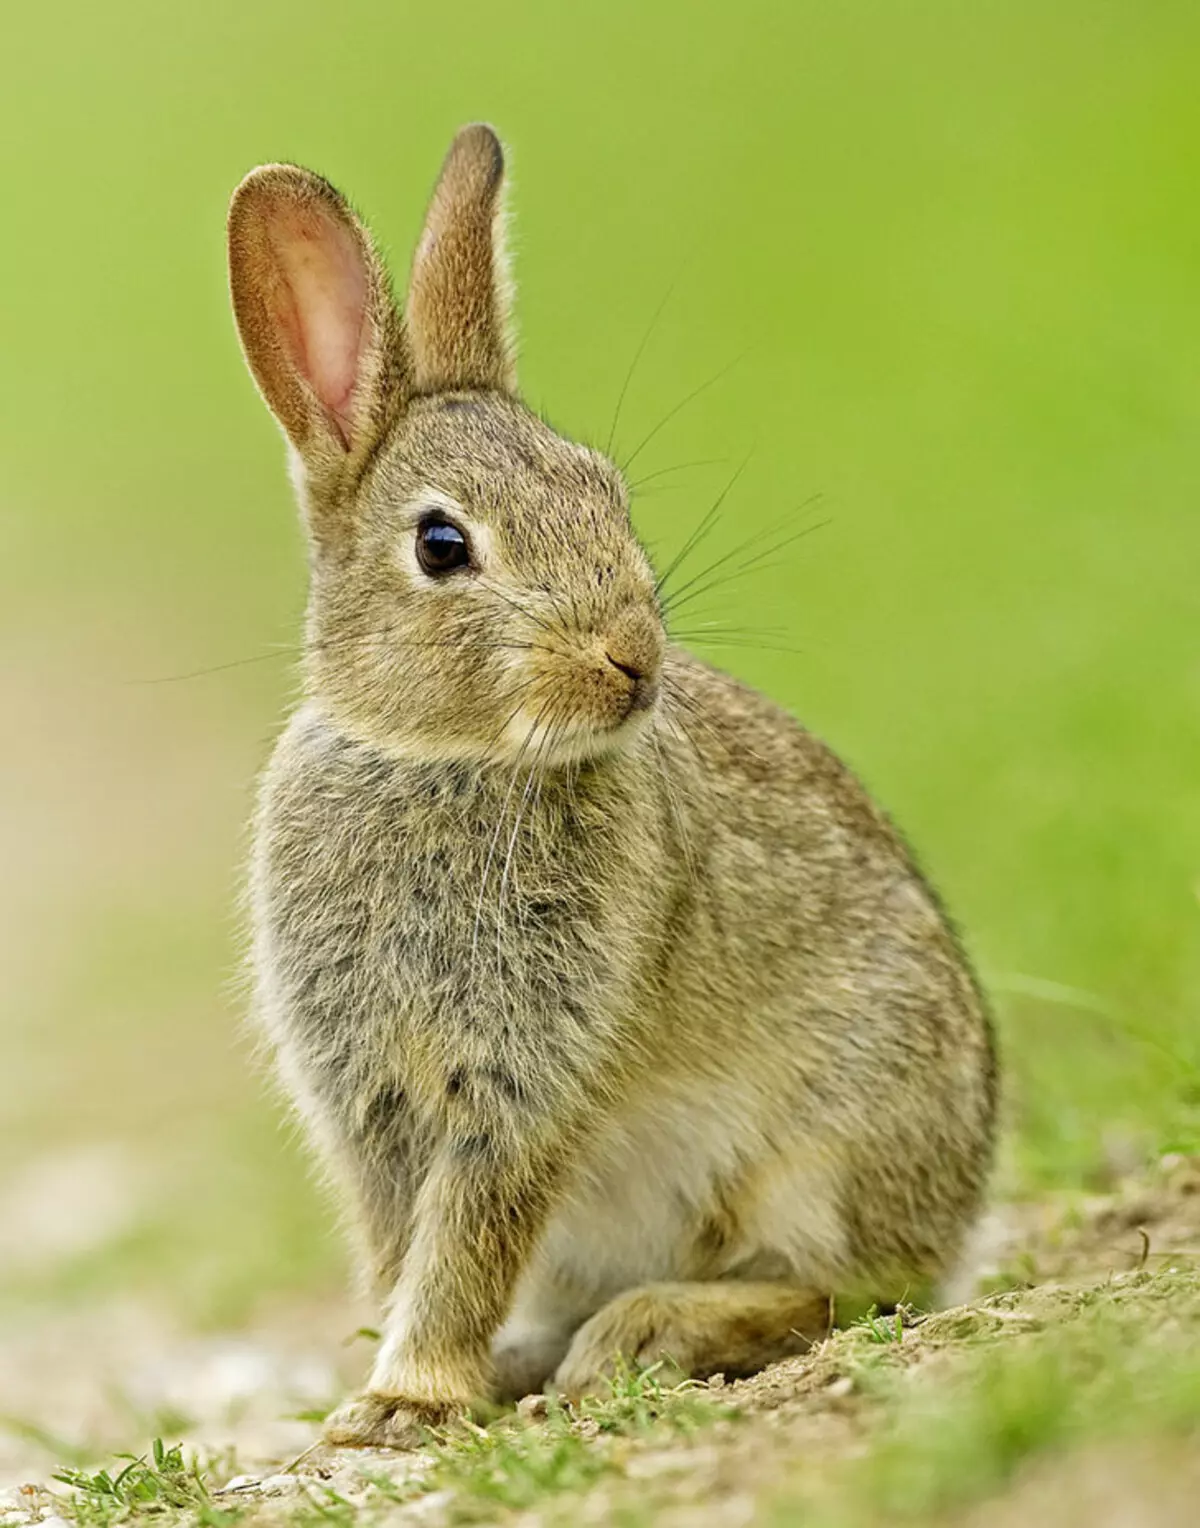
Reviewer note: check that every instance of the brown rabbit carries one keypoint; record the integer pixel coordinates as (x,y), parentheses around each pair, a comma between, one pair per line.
(616,1008)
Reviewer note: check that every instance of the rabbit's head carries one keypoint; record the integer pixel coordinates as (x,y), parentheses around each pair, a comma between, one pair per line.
(477,588)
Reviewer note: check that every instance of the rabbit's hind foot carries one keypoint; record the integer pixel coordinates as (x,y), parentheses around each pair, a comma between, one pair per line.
(696,1330)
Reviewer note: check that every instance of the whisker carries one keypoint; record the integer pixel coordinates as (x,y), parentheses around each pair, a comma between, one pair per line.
(695,393)
(683,597)
(771,529)
(688,703)
(699,718)
(673,806)
(487,865)
(716,633)
(541,752)
(724,627)
(637,356)
(749,644)
(712,461)
(558,609)
(706,523)
(519,691)
(298,650)
(508,600)
(679,727)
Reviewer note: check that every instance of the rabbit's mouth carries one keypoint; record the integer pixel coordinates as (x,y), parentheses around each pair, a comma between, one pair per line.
(599,713)
(553,746)
(591,692)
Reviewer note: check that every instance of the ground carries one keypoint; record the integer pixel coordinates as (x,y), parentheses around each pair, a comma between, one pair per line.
(1069,1393)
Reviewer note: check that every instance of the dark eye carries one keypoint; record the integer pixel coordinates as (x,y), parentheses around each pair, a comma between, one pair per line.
(441,546)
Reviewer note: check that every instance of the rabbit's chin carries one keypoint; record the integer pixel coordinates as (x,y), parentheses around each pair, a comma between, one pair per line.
(525,745)
(546,747)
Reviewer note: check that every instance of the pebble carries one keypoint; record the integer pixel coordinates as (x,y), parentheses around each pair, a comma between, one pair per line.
(279,1485)
(265,1485)
(241,1483)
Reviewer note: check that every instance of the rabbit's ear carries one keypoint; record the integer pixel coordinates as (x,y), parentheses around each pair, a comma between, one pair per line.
(458,299)
(314,311)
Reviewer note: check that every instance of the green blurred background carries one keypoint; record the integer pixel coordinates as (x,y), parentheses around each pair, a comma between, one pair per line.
(953,252)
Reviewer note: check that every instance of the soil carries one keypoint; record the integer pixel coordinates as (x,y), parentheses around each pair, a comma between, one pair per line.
(78,1385)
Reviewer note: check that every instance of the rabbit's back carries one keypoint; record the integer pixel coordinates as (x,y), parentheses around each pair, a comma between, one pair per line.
(820,964)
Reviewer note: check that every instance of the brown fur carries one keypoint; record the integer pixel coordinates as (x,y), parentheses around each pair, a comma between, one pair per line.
(733,1329)
(614,1005)
(458,295)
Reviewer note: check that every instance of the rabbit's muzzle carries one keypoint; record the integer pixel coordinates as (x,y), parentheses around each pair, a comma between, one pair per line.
(643,687)
(597,678)
(633,649)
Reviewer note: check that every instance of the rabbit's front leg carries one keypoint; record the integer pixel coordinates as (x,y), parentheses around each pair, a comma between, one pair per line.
(480,1209)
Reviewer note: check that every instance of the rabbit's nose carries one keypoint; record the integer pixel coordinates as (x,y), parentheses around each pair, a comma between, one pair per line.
(643,689)
(626,666)
(634,649)
(633,646)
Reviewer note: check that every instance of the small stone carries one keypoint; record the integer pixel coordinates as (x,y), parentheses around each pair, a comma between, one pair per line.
(533,1408)
(842,1385)
(243,1483)
(716,1382)
(277,1485)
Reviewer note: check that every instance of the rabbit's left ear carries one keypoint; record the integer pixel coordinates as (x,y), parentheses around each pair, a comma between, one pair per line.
(314,311)
(458,298)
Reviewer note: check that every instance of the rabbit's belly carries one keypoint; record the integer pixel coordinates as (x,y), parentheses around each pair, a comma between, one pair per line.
(683,1190)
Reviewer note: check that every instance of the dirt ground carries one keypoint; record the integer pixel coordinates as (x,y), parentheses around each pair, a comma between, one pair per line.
(108,1378)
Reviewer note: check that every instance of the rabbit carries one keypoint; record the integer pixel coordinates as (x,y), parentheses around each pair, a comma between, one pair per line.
(617,1012)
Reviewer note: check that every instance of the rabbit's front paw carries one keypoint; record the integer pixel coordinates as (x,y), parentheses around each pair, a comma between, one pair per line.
(382,1421)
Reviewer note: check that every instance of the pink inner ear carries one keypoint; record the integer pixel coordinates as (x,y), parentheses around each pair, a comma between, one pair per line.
(325,276)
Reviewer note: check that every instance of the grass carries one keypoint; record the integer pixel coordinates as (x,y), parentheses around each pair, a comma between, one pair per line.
(489,1470)
(513,1465)
(1106,1373)
(948,1411)
(150,1485)
(882,1329)
(509,1466)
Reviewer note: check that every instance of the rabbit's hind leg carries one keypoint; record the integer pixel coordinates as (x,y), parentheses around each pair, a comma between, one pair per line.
(724,1327)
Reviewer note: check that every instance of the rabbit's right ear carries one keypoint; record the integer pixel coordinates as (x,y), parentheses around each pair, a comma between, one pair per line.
(314,312)
(459,297)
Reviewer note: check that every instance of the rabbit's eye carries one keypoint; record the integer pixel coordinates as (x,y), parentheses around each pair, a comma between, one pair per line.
(441,546)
